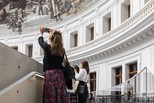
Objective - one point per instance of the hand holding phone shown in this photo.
(46, 30)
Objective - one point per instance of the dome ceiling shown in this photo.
(14, 13)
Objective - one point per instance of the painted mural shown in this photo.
(13, 13)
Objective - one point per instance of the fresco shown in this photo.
(13, 13)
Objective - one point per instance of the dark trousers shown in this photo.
(82, 98)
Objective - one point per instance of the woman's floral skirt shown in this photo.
(54, 87)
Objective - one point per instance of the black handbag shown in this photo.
(81, 88)
(69, 74)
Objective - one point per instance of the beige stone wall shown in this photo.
(28, 91)
(14, 65)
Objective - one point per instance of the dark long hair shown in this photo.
(76, 68)
(85, 65)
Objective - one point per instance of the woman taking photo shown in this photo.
(54, 84)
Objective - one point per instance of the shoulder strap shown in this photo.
(65, 56)
(87, 78)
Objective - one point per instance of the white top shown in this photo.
(82, 76)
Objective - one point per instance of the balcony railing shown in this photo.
(138, 89)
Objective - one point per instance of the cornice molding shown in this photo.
(118, 48)
(133, 30)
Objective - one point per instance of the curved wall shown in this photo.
(129, 40)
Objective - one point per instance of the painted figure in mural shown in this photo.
(50, 9)
(19, 26)
(46, 11)
(68, 6)
(23, 13)
(11, 23)
(55, 9)
(16, 14)
(40, 8)
(4, 15)
(82, 1)
(21, 4)
(62, 7)
(75, 3)
(31, 3)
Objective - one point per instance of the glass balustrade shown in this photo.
(138, 89)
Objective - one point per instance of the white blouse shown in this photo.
(82, 76)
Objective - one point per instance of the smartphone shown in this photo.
(46, 30)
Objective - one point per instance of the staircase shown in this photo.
(21, 79)
(28, 89)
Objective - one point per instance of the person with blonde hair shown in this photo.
(54, 83)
